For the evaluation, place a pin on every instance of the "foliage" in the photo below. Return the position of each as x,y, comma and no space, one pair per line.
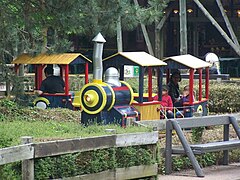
102,15
11,171
25,25
14,84
129,156
197,134
82,163
183,162
40,26
208,159
96,161
46,26
180,163
90,162
55,124
224,97
153,11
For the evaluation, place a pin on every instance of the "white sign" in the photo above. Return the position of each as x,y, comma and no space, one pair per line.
131,71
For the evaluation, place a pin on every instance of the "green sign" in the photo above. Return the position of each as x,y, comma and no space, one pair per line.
135,70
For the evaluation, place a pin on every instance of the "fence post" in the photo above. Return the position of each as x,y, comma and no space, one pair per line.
27,165
226,138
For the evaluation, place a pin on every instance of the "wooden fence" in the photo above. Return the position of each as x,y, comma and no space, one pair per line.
159,125
28,151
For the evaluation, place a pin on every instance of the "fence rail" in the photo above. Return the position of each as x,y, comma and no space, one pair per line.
28,151
120,173
159,125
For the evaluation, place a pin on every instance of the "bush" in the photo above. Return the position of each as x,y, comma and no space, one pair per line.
224,97
82,163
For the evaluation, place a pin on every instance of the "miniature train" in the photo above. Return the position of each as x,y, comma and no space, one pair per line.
113,100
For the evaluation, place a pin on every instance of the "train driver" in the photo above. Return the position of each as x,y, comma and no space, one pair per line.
51,84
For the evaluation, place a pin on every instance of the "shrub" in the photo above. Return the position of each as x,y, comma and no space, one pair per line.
224,97
82,163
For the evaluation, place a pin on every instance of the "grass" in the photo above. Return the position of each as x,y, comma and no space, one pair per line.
50,124
56,124
11,131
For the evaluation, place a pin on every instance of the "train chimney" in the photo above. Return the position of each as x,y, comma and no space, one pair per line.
97,58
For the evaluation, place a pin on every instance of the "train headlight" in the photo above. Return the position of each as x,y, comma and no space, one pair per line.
91,98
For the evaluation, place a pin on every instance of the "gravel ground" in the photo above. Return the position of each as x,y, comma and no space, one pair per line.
230,172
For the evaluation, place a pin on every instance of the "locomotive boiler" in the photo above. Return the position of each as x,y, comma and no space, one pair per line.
109,101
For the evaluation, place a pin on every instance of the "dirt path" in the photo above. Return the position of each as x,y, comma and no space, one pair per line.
230,172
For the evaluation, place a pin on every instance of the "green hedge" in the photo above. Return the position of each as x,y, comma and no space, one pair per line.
82,163
208,159
224,97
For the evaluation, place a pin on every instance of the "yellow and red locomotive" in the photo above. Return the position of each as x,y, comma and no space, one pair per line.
109,101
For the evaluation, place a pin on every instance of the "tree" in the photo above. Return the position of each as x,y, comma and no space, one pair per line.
102,15
26,25
35,26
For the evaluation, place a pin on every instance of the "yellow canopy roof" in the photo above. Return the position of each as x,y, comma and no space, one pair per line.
64,58
139,58
189,61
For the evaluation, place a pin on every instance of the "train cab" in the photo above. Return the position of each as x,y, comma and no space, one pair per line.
146,64
197,69
60,64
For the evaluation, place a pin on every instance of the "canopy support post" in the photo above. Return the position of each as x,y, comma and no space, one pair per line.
228,24
214,22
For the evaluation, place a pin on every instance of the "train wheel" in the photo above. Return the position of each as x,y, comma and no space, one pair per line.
41,102
41,105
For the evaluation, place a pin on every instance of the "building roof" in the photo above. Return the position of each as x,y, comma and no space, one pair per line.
133,58
64,58
185,62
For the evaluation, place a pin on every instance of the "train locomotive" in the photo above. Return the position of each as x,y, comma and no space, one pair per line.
109,101
113,100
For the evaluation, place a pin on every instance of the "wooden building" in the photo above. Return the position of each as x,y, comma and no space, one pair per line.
188,26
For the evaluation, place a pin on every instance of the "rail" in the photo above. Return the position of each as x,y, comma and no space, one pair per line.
176,112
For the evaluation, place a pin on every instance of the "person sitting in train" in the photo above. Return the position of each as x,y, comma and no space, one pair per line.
166,103
173,86
185,95
51,84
